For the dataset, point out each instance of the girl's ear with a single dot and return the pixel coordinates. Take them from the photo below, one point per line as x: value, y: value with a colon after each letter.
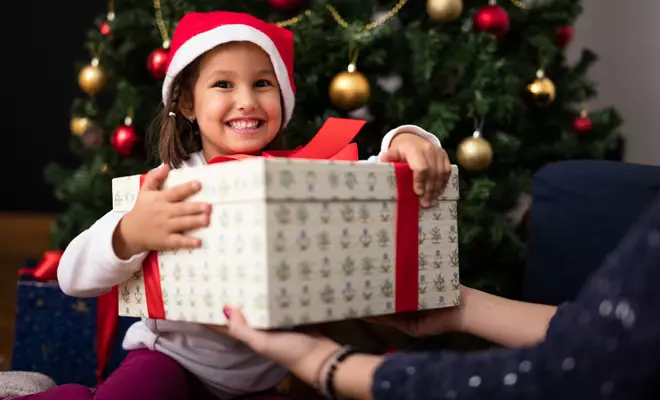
x: 186, y: 107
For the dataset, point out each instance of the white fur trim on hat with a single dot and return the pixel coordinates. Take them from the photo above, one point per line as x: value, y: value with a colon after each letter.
x: 208, y: 40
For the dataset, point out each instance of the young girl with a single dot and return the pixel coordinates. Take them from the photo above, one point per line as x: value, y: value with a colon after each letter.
x: 228, y: 90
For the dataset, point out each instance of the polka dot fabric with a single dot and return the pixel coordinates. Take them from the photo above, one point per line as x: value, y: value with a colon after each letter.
x: 603, y: 345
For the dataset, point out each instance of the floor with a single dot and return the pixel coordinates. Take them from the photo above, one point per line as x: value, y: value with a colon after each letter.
x: 22, y: 236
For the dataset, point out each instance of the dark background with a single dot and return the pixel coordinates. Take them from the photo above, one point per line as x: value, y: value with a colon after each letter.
x: 39, y: 73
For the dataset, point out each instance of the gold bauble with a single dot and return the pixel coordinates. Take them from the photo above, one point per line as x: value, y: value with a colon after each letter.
x: 474, y: 154
x: 542, y: 91
x: 349, y: 90
x: 92, y: 78
x: 80, y: 125
x: 444, y: 10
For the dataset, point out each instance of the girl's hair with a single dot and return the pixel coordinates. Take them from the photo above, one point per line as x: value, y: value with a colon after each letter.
x: 175, y: 136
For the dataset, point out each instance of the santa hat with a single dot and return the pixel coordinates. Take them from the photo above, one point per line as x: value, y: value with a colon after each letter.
x: 198, y: 32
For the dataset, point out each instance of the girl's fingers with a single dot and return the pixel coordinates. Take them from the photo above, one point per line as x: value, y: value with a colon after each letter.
x: 155, y: 178
x: 187, y: 223
x: 179, y: 241
x: 182, y: 192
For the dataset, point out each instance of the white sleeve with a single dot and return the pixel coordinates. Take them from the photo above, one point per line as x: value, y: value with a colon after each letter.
x: 89, y: 266
x: 414, y: 129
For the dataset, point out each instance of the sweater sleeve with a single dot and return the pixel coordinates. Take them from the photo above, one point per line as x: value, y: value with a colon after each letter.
x: 602, y: 345
x: 414, y: 129
x: 89, y: 266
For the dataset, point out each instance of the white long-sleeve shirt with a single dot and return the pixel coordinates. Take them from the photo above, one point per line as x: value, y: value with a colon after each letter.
x: 89, y: 267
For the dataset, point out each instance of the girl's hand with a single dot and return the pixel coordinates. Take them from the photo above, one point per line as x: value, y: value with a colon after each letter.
x: 300, y: 353
x: 159, y: 218
x: 430, y: 165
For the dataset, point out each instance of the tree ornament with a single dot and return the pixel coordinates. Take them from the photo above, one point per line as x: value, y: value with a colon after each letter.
x: 444, y: 10
x: 157, y: 62
x: 492, y: 18
x: 285, y: 5
x: 105, y: 28
x: 80, y: 125
x: 542, y: 89
x: 350, y: 89
x: 124, y: 138
x: 474, y: 153
x: 582, y: 123
x: 92, y: 78
x: 564, y: 35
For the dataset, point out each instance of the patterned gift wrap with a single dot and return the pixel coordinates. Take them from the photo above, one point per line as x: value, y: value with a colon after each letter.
x: 296, y: 242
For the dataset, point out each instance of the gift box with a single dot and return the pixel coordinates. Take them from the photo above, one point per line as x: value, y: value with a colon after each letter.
x: 296, y: 241
x: 55, y: 334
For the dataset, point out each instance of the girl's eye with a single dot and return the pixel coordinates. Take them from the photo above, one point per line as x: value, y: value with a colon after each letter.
x: 262, y: 83
x: 223, y: 85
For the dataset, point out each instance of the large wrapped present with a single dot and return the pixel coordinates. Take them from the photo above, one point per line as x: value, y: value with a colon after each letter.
x: 56, y: 334
x: 297, y: 241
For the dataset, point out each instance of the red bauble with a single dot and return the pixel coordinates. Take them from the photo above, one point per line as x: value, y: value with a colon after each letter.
x: 285, y: 5
x: 123, y: 140
x: 564, y: 35
x: 493, y: 19
x: 582, y: 124
x: 157, y: 63
x: 105, y: 28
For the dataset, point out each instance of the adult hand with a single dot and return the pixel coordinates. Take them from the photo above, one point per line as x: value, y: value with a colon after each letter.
x: 300, y: 353
x: 426, y: 322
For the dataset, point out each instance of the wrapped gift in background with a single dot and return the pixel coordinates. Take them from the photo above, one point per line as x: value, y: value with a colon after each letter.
x: 297, y: 241
x: 56, y: 334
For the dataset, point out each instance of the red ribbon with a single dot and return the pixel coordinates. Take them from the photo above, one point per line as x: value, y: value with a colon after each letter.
x: 46, y: 269
x: 107, y: 308
x: 407, y: 241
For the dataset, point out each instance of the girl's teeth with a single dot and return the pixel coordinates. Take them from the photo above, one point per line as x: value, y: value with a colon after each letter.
x: 244, y: 124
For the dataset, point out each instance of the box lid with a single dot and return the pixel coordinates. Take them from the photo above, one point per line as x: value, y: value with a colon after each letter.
x: 281, y: 179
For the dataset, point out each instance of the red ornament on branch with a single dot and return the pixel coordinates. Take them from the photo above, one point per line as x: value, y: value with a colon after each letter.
x: 124, y: 138
x: 582, y: 123
x: 105, y: 28
x: 157, y: 62
x: 564, y: 35
x: 285, y: 5
x: 492, y: 18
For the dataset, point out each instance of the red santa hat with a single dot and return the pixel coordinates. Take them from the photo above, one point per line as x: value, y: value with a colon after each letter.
x: 199, y: 32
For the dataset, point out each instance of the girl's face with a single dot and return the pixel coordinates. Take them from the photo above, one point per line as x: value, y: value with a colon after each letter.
x: 235, y: 100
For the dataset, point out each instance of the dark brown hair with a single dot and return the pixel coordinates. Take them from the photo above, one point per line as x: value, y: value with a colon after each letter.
x: 175, y: 136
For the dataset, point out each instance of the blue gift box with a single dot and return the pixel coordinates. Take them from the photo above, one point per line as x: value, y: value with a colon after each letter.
x: 55, y: 334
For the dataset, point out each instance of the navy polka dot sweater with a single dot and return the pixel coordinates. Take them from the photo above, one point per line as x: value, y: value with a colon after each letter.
x: 603, y: 345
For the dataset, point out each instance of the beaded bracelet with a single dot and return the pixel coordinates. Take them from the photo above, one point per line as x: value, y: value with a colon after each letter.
x: 327, y: 376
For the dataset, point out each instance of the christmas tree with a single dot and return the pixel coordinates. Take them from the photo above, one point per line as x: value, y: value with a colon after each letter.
x: 488, y: 78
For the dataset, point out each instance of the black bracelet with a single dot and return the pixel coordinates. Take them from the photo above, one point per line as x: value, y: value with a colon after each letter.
x: 329, y: 378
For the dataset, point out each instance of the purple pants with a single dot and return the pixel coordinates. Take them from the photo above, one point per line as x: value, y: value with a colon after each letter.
x: 143, y: 375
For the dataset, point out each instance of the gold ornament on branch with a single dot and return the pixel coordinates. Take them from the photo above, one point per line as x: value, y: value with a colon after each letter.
x: 542, y: 89
x: 350, y: 89
x: 474, y: 153
x: 92, y: 78
x: 80, y: 125
x: 444, y: 10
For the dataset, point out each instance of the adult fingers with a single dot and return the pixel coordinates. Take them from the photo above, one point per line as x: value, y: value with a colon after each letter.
x: 239, y: 329
x: 182, y: 191
x: 155, y: 178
